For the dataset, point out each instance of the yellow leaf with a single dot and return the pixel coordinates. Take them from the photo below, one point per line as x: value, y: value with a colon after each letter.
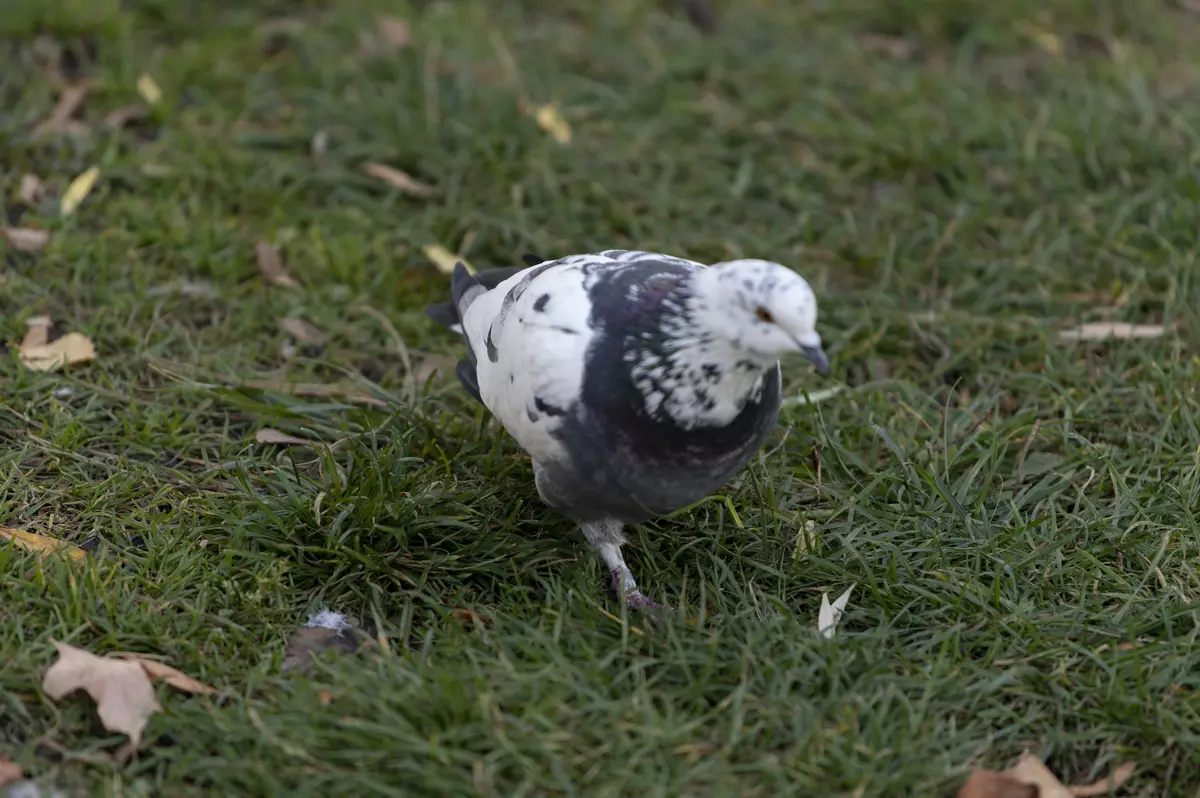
x: 78, y: 190
x: 444, y: 259
x: 71, y: 348
x: 1047, y: 40
x: 40, y: 543
x: 149, y: 90
x: 551, y: 121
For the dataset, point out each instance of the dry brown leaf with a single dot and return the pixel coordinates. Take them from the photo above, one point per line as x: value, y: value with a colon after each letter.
x: 1029, y: 778
x: 71, y: 348
x: 994, y: 784
x: 40, y: 543
x: 269, y: 435
x: 120, y: 117
x: 1119, y: 776
x: 172, y: 676
x: 391, y: 33
x: 122, y: 690
x: 1104, y: 330
x: 464, y: 615
x: 31, y: 188
x: 38, y: 333
x: 270, y: 266
x: 303, y: 331
x: 25, y: 239
x: 550, y: 120
x: 331, y: 390
x: 444, y: 259
x: 60, y: 120
x: 401, y: 181
x: 9, y: 771
x: 78, y: 190
x: 324, y: 698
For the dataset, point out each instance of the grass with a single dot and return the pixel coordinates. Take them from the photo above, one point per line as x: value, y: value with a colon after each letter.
x: 1019, y: 514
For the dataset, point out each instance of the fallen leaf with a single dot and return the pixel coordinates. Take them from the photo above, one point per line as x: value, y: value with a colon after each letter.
x: 1104, y: 786
x: 444, y: 259
x: 31, y: 189
x: 464, y: 615
x: 270, y: 266
x: 9, y: 771
x: 25, y: 239
x: 71, y: 348
x: 149, y: 89
x: 77, y: 192
x: 807, y: 537
x: 172, y: 676
x: 550, y: 120
x: 122, y: 690
x: 394, y: 31
x: 324, y: 698
x: 269, y: 435
x: 60, y: 120
x: 993, y: 784
x: 38, y: 332
x: 1103, y: 330
x: 303, y: 331
x: 1029, y: 778
x: 40, y: 543
x: 1047, y: 40
x: 402, y: 181
x: 120, y: 117
x: 829, y: 614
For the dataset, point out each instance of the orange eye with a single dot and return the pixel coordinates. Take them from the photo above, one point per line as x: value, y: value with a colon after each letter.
x: 764, y: 315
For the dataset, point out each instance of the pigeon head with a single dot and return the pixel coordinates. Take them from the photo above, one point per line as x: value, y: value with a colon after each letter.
x: 760, y: 308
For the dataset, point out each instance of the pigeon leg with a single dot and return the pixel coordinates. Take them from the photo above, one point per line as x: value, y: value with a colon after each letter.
x: 606, y: 538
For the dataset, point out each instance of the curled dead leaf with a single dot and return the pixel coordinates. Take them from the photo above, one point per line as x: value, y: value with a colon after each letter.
x: 38, y: 332
x: 60, y: 119
x: 69, y: 349
x: 270, y: 266
x: 78, y: 191
x: 32, y: 189
x: 25, y: 239
x: 1104, y: 330
x: 444, y: 259
x: 270, y: 435
x: 172, y: 676
x: 551, y: 120
x: 1030, y: 778
x: 399, y: 180
x: 32, y: 541
x: 303, y: 330
x: 122, y: 691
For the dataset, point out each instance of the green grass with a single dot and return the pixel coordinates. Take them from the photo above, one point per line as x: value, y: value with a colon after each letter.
x: 1019, y: 514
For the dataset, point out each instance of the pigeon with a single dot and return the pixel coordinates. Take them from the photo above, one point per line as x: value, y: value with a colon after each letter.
x: 638, y: 383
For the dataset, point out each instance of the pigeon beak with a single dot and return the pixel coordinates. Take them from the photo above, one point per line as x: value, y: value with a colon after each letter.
x: 816, y: 355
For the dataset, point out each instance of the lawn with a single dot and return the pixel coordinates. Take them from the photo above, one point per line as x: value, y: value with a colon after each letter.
x: 960, y: 181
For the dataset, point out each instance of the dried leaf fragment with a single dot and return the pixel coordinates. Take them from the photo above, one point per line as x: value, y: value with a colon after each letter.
x: 9, y: 771
x: 444, y: 259
x: 270, y: 266
x: 71, y: 348
x: 148, y: 88
x: 829, y: 614
x: 60, y: 119
x: 78, y: 190
x: 303, y: 331
x: 42, y: 544
x: 122, y: 691
x: 120, y: 117
x: 38, y: 332
x: 399, y: 180
x: 172, y: 676
x: 270, y: 435
x: 550, y: 120
x: 1030, y: 778
x: 390, y: 34
x: 31, y: 188
x: 1104, y: 330
x: 25, y: 239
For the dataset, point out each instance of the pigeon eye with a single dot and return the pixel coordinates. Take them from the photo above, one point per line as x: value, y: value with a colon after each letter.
x: 764, y: 315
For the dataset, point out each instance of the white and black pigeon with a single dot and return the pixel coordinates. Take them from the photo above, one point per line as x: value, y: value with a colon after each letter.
x: 638, y: 383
